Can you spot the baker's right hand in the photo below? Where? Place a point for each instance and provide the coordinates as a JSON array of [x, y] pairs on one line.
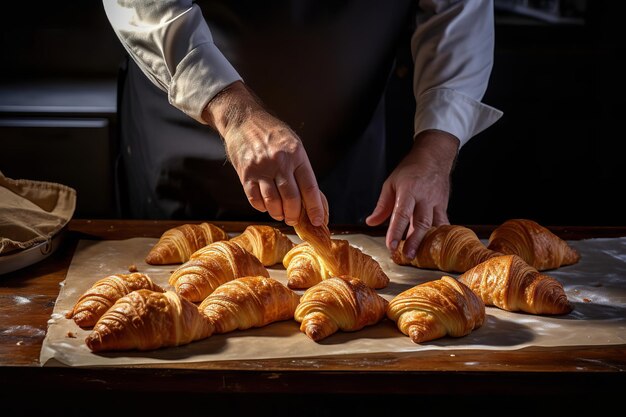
[[269, 157]]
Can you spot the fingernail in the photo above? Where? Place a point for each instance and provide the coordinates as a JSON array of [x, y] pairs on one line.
[[394, 244], [316, 221], [411, 254]]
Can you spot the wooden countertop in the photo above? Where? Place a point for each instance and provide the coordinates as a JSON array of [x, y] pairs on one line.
[[580, 376]]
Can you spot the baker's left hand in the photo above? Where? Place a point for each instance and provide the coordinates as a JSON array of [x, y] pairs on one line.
[[415, 196]]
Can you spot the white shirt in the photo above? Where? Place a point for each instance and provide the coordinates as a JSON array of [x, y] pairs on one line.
[[452, 48]]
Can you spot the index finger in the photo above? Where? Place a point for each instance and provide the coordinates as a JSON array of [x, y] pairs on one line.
[[311, 195]]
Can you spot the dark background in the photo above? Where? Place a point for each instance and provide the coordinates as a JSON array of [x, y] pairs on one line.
[[556, 155]]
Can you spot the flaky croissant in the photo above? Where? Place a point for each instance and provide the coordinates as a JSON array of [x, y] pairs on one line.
[[535, 244], [448, 248], [509, 283], [267, 243], [249, 302], [147, 320], [306, 268], [434, 309], [104, 293], [176, 245], [211, 266], [318, 236], [338, 303]]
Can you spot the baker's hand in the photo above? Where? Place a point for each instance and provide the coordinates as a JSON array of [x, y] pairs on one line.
[[269, 157], [416, 193]]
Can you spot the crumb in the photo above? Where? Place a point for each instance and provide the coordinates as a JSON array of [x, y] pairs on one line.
[[132, 268], [20, 343], [71, 334], [586, 300]]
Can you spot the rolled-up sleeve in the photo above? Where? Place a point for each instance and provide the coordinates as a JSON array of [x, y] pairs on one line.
[[453, 48], [172, 44]]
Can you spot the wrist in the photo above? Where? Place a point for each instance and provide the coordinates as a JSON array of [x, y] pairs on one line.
[[437, 146], [230, 107]]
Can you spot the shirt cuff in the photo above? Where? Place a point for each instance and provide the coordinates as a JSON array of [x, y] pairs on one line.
[[453, 112], [202, 74]]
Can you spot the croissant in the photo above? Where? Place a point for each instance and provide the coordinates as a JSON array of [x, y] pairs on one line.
[[318, 236], [211, 266], [448, 248], [147, 320], [306, 268], [177, 244], [509, 283], [265, 242], [435, 309], [535, 244], [104, 293], [338, 303], [249, 302]]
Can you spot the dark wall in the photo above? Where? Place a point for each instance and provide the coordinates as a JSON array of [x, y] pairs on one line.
[[48, 39], [557, 154]]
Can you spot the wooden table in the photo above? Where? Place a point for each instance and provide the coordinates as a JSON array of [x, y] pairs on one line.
[[578, 379]]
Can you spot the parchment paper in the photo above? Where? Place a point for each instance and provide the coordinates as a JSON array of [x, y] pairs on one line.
[[596, 286]]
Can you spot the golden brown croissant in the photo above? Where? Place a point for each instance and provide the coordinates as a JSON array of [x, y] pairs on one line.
[[249, 302], [146, 320], [509, 283], [338, 303], [177, 244], [267, 243], [306, 268], [104, 293], [448, 248], [318, 236], [535, 244], [211, 266], [435, 309]]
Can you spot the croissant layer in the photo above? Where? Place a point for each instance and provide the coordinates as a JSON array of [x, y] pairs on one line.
[[338, 303], [176, 245], [104, 293], [306, 268], [534, 243], [509, 283], [249, 302], [448, 248], [434, 309], [267, 243], [318, 236], [147, 320], [212, 266]]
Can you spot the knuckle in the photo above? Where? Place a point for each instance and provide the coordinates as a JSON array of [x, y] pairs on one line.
[[422, 223], [402, 215], [270, 200], [309, 188]]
